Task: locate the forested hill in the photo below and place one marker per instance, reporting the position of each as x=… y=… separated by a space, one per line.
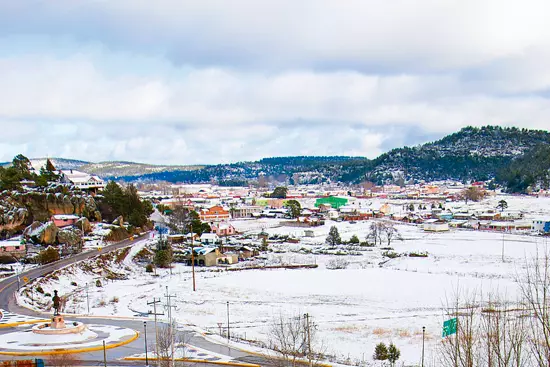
x=469 y=154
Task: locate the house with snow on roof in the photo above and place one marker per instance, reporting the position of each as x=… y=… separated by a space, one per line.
x=223 y=229
x=82 y=180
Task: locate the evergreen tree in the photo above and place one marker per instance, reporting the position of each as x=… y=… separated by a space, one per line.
x=333 y=237
x=393 y=354
x=294 y=207
x=380 y=352
x=280 y=192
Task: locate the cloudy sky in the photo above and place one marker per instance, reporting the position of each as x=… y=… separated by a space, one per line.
x=183 y=82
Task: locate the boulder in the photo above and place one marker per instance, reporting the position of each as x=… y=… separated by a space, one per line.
x=69 y=236
x=84 y=224
x=42 y=233
x=116 y=234
x=119 y=221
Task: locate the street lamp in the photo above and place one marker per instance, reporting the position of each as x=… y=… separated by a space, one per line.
x=146 y=357
x=423 y=333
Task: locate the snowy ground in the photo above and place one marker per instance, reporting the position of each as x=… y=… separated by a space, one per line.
x=354 y=308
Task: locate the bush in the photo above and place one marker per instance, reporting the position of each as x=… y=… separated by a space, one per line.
x=114 y=299
x=39 y=289
x=391 y=254
x=367 y=244
x=354 y=240
x=337 y=263
x=74 y=284
x=418 y=254
x=48 y=255
x=163 y=258
x=98 y=283
x=102 y=303
x=149 y=268
x=47 y=294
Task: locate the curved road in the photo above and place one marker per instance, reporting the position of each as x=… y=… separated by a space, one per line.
x=8 y=288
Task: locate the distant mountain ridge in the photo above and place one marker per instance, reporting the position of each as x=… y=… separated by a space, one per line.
x=109 y=169
x=469 y=154
x=472 y=153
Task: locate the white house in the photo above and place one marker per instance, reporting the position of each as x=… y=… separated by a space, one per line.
x=209 y=238
x=81 y=180
x=541 y=225
x=435 y=225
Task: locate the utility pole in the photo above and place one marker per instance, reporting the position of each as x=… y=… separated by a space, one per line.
x=308 y=335
x=228 y=336
x=145 y=329
x=170 y=321
x=503 y=245
x=154 y=303
x=88 y=297
x=104 y=355
x=193 y=258
x=423 y=334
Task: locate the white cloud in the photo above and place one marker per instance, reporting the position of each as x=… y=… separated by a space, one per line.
x=210 y=81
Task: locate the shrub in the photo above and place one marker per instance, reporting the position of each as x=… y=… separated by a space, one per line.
x=114 y=299
x=354 y=240
x=366 y=244
x=48 y=255
x=390 y=254
x=149 y=268
x=163 y=258
x=47 y=294
x=102 y=303
x=337 y=263
x=98 y=283
x=39 y=289
x=418 y=254
x=74 y=284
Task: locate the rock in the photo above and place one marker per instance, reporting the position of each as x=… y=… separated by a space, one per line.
x=119 y=221
x=84 y=224
x=39 y=233
x=69 y=236
x=117 y=234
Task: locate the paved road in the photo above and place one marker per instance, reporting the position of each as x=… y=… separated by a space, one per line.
x=8 y=287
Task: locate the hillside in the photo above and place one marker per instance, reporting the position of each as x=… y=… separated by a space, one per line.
x=469 y=154
x=118 y=169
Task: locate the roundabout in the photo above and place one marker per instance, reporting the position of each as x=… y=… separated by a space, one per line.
x=59 y=336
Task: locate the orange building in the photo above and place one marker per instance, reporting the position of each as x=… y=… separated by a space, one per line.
x=215 y=214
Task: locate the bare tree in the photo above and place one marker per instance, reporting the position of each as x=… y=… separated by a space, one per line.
x=535 y=290
x=390 y=233
x=376 y=231
x=294 y=339
x=167 y=335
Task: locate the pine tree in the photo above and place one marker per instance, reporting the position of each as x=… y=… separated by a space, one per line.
x=380 y=352
x=333 y=237
x=393 y=354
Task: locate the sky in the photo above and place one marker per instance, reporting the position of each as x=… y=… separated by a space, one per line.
x=190 y=82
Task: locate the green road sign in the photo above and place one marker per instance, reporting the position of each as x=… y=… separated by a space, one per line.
x=449 y=327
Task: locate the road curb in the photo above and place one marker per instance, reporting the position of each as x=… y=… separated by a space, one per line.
x=223 y=363
x=12 y=324
x=72 y=351
x=258 y=354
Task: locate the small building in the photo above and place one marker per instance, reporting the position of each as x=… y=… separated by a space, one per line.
x=334 y=201
x=62 y=220
x=223 y=229
x=541 y=225
x=309 y=233
x=245 y=211
x=435 y=225
x=214 y=214
x=209 y=238
x=13 y=248
x=210 y=256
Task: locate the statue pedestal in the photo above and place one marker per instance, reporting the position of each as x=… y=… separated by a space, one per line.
x=57 y=322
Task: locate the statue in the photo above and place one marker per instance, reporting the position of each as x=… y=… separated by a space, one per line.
x=56 y=303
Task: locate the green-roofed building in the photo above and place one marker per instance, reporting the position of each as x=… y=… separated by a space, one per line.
x=334 y=201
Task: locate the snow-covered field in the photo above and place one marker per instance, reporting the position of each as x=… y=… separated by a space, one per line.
x=373 y=300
